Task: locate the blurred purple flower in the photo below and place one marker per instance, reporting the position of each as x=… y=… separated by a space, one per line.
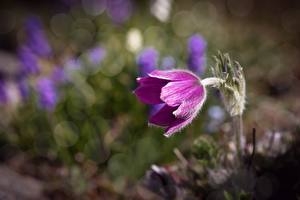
x=23 y=88
x=29 y=61
x=217 y=115
x=58 y=75
x=119 y=10
x=36 y=39
x=96 y=55
x=180 y=91
x=3 y=94
x=196 y=51
x=147 y=61
x=47 y=93
x=168 y=63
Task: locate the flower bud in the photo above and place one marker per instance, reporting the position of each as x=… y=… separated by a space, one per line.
x=233 y=85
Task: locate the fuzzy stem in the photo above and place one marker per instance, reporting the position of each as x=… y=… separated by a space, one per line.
x=237 y=126
x=212 y=81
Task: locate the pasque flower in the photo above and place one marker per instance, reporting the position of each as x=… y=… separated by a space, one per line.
x=181 y=93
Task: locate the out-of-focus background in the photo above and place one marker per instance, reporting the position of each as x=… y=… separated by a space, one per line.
x=70 y=125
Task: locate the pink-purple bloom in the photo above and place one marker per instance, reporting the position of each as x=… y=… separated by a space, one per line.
x=196 y=54
x=181 y=94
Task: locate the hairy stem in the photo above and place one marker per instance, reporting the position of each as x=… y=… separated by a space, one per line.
x=212 y=81
x=238 y=137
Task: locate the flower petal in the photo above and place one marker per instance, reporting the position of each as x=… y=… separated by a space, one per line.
x=173 y=75
x=150 y=89
x=177 y=125
x=164 y=117
x=155 y=108
x=151 y=81
x=175 y=93
x=192 y=104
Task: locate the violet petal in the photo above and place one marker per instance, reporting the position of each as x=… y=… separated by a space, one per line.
x=164 y=117
x=174 y=93
x=173 y=75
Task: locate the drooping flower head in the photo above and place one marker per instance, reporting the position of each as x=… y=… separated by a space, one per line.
x=47 y=94
x=181 y=94
x=36 y=39
x=196 y=54
x=233 y=87
x=147 y=61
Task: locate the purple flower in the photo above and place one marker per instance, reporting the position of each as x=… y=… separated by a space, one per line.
x=3 y=94
x=119 y=10
x=196 y=51
x=36 y=39
x=96 y=55
x=47 y=93
x=23 y=88
x=29 y=61
x=180 y=91
x=147 y=61
x=58 y=75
